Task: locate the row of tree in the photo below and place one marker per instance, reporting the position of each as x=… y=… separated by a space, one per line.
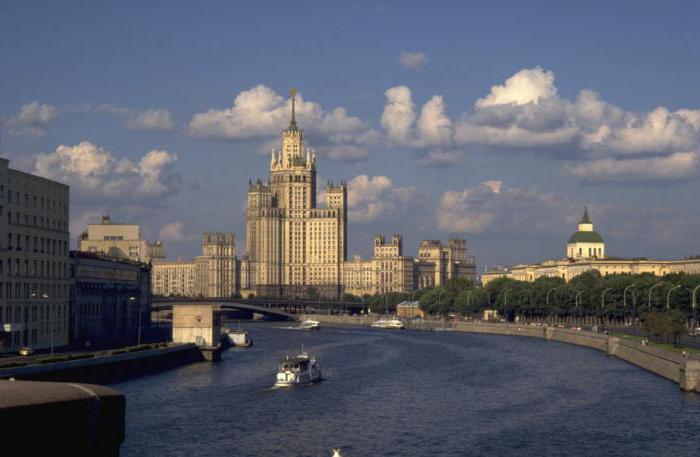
x=589 y=294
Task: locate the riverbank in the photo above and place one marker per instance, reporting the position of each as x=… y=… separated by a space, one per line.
x=104 y=366
x=681 y=369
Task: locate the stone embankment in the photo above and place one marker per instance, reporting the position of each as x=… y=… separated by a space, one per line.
x=681 y=369
x=105 y=367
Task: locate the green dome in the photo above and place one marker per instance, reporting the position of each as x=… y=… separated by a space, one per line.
x=586 y=237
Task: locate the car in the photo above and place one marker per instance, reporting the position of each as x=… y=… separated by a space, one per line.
x=26 y=351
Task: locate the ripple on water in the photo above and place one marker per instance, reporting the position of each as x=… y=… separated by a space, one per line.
x=411 y=394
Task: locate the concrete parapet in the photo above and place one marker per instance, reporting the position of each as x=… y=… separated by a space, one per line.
x=61 y=418
x=670 y=365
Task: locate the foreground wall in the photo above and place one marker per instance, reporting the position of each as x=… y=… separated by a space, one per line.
x=676 y=367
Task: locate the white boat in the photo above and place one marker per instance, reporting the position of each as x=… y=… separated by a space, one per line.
x=297 y=370
x=238 y=338
x=310 y=324
x=388 y=323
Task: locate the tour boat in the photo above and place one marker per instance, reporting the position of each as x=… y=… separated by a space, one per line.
x=297 y=370
x=388 y=323
x=238 y=338
x=310 y=324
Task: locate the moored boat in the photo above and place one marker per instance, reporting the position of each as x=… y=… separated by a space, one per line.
x=238 y=338
x=297 y=370
x=388 y=323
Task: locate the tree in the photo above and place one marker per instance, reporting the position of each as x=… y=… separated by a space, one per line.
x=668 y=324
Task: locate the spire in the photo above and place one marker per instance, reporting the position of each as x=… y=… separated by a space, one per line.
x=585 y=219
x=293 y=123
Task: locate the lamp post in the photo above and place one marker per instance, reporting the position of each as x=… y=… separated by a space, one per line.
x=695 y=306
x=505 y=303
x=577 y=302
x=668 y=295
x=138 y=338
x=602 y=304
x=548 y=292
x=650 y=290
x=624 y=300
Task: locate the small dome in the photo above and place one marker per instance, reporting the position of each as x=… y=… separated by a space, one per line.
x=586 y=237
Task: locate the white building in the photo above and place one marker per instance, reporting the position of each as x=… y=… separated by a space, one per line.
x=118 y=240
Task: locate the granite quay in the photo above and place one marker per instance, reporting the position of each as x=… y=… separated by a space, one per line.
x=681 y=368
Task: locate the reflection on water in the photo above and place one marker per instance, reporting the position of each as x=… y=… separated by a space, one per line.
x=407 y=393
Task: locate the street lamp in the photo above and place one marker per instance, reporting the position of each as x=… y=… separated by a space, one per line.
x=138 y=338
x=668 y=295
x=577 y=302
x=695 y=305
x=652 y=288
x=624 y=300
x=548 y=292
x=602 y=304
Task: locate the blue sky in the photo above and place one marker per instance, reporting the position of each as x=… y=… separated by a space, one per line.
x=492 y=121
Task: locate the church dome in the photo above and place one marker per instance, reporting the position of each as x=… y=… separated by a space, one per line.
x=586 y=237
x=585 y=233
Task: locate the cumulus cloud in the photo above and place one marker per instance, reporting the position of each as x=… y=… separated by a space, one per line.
x=375 y=196
x=492 y=207
x=173 y=231
x=94 y=171
x=150 y=120
x=600 y=141
x=676 y=166
x=433 y=127
x=32 y=119
x=525 y=86
x=412 y=60
x=260 y=112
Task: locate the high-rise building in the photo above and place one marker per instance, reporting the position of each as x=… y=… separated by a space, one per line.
x=119 y=240
x=292 y=243
x=295 y=246
x=34 y=266
x=216 y=269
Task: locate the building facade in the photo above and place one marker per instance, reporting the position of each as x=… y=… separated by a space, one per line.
x=586 y=252
x=34 y=262
x=214 y=274
x=123 y=240
x=110 y=299
x=295 y=246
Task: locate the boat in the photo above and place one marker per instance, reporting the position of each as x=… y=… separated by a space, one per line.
x=297 y=370
x=388 y=323
x=310 y=324
x=238 y=338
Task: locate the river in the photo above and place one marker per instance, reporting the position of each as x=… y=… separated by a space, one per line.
x=411 y=393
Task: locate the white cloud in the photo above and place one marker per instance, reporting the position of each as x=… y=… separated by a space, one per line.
x=433 y=127
x=412 y=60
x=260 y=112
x=601 y=141
x=173 y=231
x=151 y=120
x=490 y=207
x=526 y=86
x=32 y=119
x=675 y=166
x=94 y=171
x=371 y=197
x=398 y=116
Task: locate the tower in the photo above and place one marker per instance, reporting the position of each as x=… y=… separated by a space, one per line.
x=585 y=243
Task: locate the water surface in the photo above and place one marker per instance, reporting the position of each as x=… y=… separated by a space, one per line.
x=410 y=393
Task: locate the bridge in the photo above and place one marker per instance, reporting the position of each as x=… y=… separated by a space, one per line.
x=273 y=308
